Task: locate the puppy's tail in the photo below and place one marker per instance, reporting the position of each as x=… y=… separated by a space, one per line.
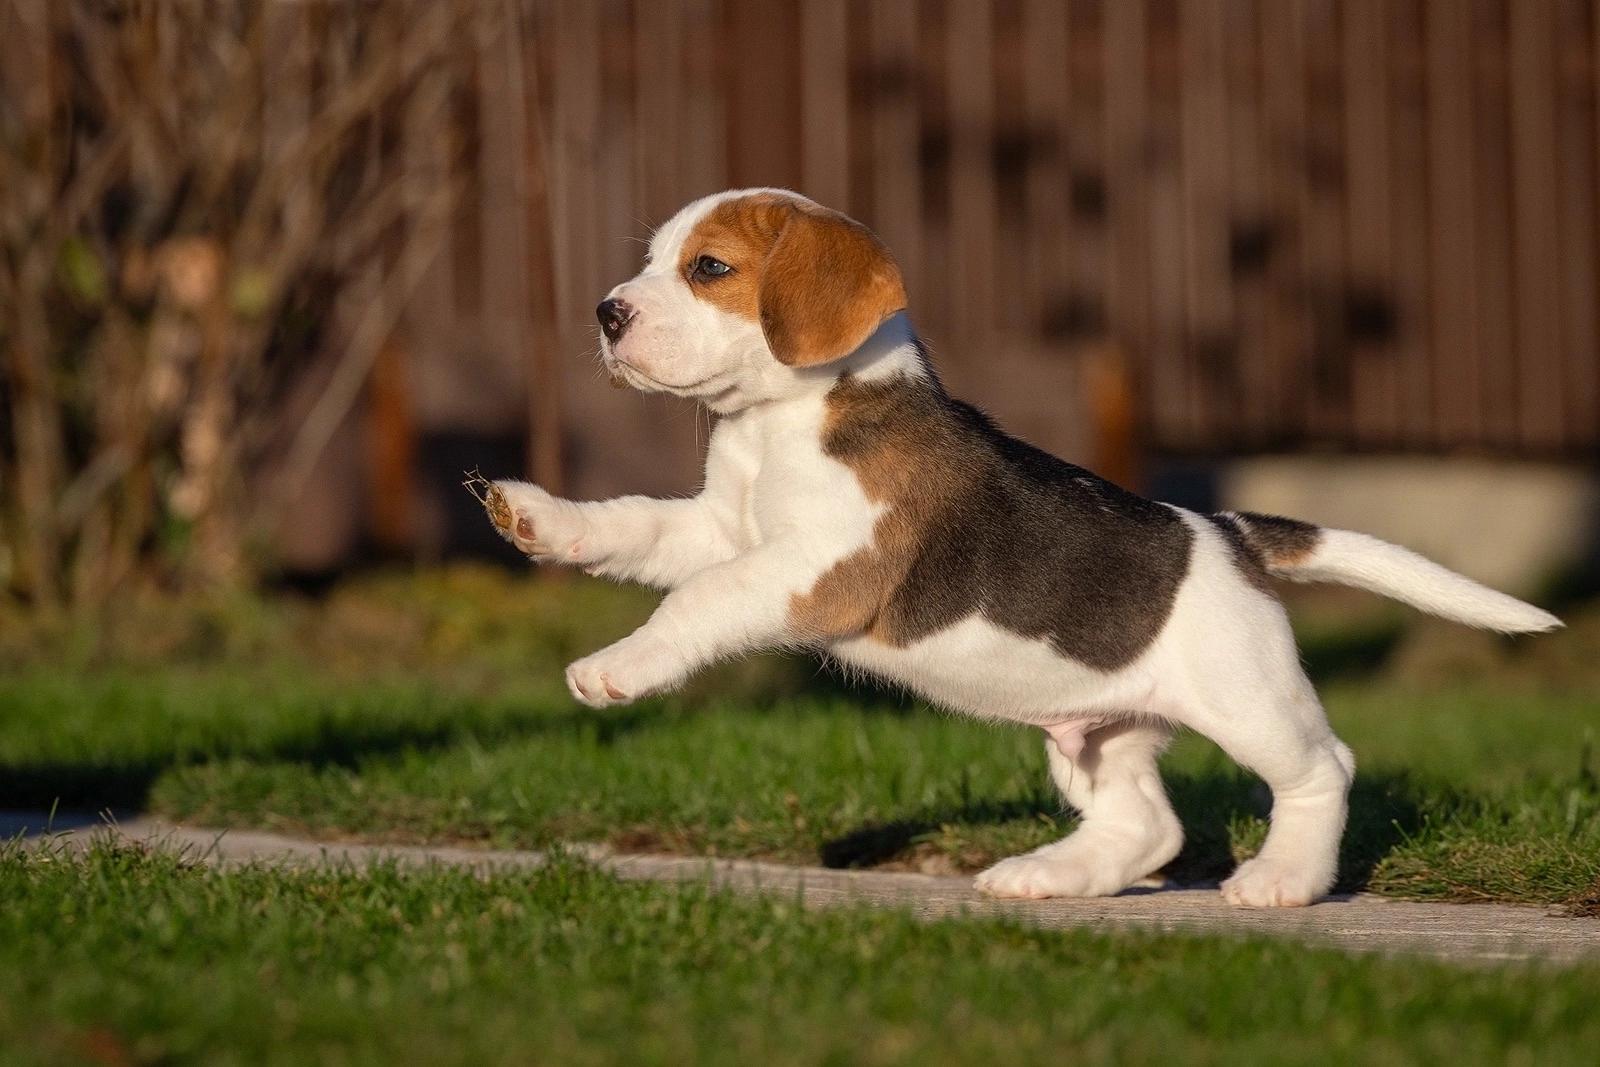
x=1301 y=552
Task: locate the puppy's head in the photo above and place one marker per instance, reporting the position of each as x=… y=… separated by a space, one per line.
x=743 y=291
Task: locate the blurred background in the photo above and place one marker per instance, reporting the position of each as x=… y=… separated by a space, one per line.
x=274 y=274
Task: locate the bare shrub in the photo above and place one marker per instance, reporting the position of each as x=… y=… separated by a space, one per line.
x=203 y=202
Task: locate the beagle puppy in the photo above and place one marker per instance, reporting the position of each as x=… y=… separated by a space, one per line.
x=853 y=507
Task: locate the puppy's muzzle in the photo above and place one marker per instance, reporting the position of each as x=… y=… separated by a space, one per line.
x=614 y=316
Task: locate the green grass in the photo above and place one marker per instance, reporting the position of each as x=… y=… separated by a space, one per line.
x=432 y=709
x=125 y=957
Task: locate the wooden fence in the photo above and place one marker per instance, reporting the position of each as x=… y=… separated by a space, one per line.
x=1341 y=224
x=1129 y=227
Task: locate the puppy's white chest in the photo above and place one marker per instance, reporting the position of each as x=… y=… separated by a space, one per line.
x=795 y=491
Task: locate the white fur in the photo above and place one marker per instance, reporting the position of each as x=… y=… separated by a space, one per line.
x=776 y=511
x=1365 y=562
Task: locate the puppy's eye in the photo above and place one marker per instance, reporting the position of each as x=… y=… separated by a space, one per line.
x=711 y=267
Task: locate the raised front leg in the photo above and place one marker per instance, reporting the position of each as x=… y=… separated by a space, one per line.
x=634 y=538
x=737 y=606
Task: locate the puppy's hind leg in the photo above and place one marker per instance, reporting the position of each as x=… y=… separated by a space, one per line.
x=1284 y=737
x=1129 y=828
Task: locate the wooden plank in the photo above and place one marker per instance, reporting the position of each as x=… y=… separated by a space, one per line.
x=934 y=162
x=1013 y=147
x=1491 y=218
x=702 y=158
x=659 y=31
x=969 y=57
x=1087 y=247
x=1579 y=138
x=1101 y=375
x=1037 y=223
x=621 y=162
x=574 y=155
x=671 y=442
x=1243 y=408
x=1283 y=88
x=1126 y=189
x=1323 y=224
x=892 y=112
x=762 y=92
x=1453 y=337
x=1172 y=381
x=1208 y=296
x=1046 y=106
x=1412 y=280
x=1284 y=123
x=1369 y=251
x=825 y=103
x=542 y=333
x=602 y=465
x=1538 y=226
x=1590 y=414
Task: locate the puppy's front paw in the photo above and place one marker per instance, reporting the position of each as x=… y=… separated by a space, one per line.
x=541 y=526
x=633 y=667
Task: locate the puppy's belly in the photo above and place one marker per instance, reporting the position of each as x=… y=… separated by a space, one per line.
x=983 y=670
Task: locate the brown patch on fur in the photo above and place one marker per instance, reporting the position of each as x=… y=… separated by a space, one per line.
x=1263 y=543
x=886 y=445
x=1278 y=541
x=818 y=282
x=976 y=522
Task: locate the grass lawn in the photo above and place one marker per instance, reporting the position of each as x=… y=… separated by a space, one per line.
x=432 y=708
x=124 y=957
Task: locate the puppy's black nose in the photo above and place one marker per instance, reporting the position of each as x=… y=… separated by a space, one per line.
x=614 y=316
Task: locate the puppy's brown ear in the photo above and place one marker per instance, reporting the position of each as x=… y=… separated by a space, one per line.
x=827 y=284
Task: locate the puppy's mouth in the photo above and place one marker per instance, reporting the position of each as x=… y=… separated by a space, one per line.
x=624 y=374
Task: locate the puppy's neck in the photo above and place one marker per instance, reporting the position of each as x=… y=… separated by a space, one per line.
x=892 y=349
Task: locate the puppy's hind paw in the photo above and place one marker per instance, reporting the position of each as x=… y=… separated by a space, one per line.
x=1035 y=877
x=1265 y=883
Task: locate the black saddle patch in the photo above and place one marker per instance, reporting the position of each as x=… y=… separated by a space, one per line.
x=990 y=525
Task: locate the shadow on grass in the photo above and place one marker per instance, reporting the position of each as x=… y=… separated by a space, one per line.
x=877 y=843
x=1384 y=810
x=1218 y=810
x=1358 y=652
x=124 y=785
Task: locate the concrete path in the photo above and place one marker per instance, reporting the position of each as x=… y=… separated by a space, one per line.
x=1467 y=933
